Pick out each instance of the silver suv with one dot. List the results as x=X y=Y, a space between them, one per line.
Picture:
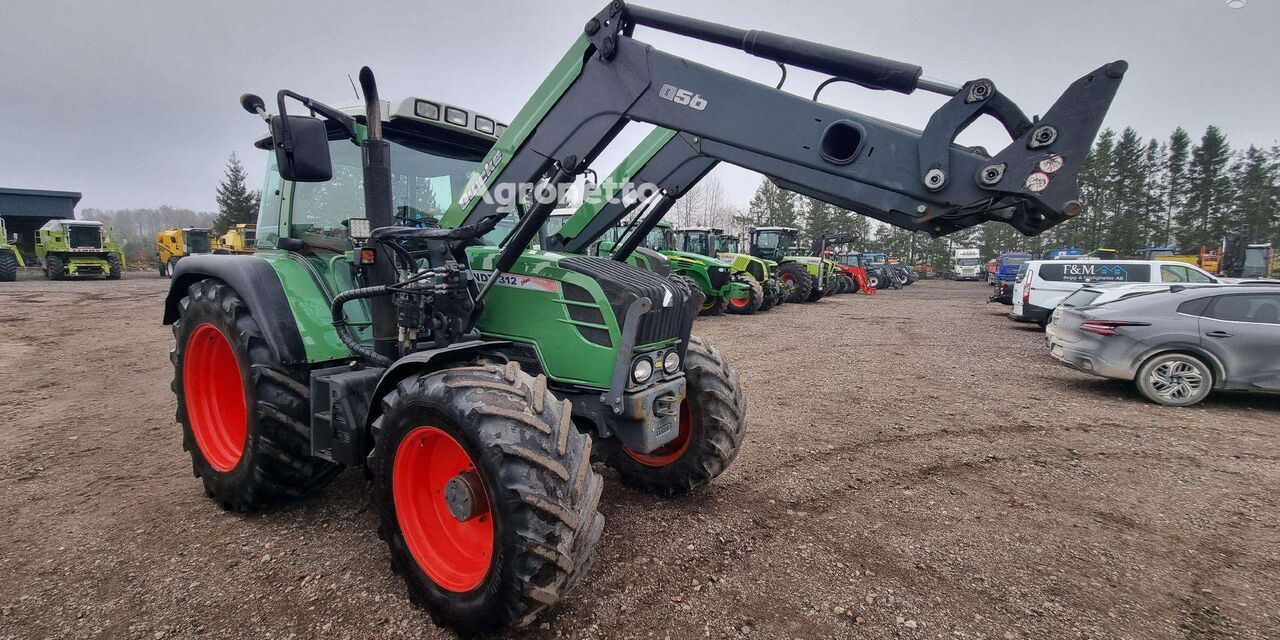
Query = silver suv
x=1179 y=345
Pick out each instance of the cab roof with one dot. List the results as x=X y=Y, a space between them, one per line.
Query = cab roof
x=424 y=114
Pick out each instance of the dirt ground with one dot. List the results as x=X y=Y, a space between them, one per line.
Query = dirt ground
x=916 y=466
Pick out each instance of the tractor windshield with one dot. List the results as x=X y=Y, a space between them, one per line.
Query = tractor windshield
x=726 y=244
x=424 y=180
x=697 y=242
x=197 y=242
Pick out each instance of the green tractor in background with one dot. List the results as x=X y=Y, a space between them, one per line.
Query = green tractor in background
x=722 y=289
x=714 y=243
x=803 y=278
x=10 y=257
x=75 y=248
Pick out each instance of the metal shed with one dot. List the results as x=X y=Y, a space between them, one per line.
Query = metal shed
x=26 y=210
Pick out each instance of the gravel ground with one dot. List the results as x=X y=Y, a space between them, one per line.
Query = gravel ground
x=916 y=466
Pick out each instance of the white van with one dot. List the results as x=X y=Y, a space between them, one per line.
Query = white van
x=1043 y=284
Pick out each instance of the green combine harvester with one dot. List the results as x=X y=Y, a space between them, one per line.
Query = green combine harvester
x=78 y=248
x=475 y=380
x=10 y=256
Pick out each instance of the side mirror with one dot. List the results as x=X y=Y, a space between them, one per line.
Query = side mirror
x=302 y=148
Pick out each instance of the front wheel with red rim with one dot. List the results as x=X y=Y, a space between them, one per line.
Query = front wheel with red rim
x=796 y=281
x=485 y=494
x=750 y=304
x=243 y=412
x=712 y=427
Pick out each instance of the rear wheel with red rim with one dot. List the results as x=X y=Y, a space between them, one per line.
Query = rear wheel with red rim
x=712 y=427
x=796 y=281
x=243 y=412
x=485 y=494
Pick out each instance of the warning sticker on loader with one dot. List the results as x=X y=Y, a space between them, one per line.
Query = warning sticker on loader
x=519 y=281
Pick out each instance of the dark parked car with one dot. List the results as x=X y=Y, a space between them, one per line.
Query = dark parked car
x=1180 y=345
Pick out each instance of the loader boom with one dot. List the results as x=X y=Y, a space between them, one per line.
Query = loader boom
x=919 y=180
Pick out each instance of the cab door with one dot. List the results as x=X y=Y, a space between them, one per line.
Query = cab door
x=1243 y=331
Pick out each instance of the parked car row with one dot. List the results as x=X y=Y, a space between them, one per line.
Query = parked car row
x=1173 y=329
x=1177 y=343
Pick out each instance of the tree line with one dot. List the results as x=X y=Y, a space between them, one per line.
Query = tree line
x=137 y=228
x=1136 y=193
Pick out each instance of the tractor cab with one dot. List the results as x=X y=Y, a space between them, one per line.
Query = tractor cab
x=850 y=259
x=699 y=240
x=774 y=243
x=196 y=240
x=728 y=244
x=434 y=146
x=661 y=238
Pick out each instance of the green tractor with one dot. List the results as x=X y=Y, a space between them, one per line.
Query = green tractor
x=714 y=243
x=10 y=257
x=74 y=248
x=722 y=289
x=803 y=278
x=475 y=380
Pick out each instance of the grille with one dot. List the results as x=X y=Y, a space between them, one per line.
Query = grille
x=622 y=285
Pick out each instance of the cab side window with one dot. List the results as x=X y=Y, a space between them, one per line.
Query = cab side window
x=1258 y=308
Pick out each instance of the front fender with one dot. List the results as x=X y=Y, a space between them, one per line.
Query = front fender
x=428 y=360
x=258 y=284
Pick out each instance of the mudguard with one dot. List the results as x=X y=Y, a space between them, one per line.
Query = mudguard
x=256 y=282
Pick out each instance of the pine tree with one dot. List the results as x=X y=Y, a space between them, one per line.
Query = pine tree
x=1087 y=230
x=237 y=204
x=1257 y=198
x=772 y=206
x=1127 y=186
x=1176 y=182
x=1209 y=192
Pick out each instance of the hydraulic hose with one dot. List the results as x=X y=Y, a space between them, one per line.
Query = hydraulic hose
x=344 y=331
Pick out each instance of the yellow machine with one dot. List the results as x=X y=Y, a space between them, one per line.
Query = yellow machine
x=238 y=239
x=175 y=244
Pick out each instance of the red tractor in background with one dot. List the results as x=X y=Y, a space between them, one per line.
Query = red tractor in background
x=854 y=272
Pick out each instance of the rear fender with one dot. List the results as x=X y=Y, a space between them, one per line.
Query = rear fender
x=256 y=282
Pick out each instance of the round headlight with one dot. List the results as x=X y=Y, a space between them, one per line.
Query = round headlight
x=671 y=363
x=642 y=370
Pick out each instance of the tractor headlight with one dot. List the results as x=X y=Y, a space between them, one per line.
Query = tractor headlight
x=642 y=370
x=671 y=363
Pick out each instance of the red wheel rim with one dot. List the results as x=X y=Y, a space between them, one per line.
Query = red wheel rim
x=671 y=451
x=456 y=555
x=788 y=278
x=739 y=303
x=214 y=393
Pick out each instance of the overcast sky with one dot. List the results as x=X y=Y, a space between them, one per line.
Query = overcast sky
x=135 y=103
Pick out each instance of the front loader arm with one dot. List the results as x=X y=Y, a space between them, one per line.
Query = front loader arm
x=852 y=160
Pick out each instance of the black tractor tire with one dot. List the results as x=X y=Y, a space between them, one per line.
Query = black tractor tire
x=173 y=263
x=689 y=284
x=755 y=299
x=534 y=469
x=162 y=269
x=847 y=285
x=772 y=297
x=902 y=278
x=716 y=427
x=113 y=266
x=816 y=293
x=713 y=306
x=801 y=282
x=275 y=463
x=8 y=266
x=53 y=268
x=873 y=281
x=1175 y=379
